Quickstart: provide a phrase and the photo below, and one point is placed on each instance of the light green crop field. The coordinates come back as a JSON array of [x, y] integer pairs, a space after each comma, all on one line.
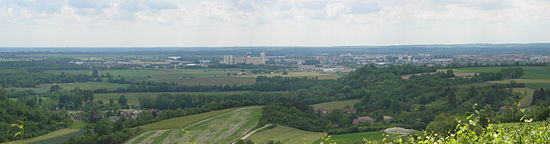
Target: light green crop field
[[358, 137], [181, 76], [526, 95], [531, 72], [336, 104], [74, 128], [297, 74], [133, 98], [181, 122], [221, 129], [533, 77], [69, 86], [286, 135]]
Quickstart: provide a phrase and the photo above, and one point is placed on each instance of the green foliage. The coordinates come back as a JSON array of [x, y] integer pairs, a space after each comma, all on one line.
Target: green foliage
[[122, 100], [443, 124], [472, 130], [293, 115], [19, 121]]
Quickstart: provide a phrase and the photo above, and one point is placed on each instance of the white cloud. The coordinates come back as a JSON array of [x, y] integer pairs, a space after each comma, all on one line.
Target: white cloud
[[276, 22]]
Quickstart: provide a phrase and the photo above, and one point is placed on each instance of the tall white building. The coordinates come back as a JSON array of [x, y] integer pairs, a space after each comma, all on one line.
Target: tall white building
[[230, 59]]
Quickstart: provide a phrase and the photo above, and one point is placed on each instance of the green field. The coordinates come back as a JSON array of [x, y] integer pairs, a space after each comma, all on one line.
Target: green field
[[81, 85], [533, 77], [298, 74], [531, 72], [133, 98], [55, 136], [336, 104], [526, 95], [180, 122], [181, 76], [286, 135], [357, 137], [222, 129]]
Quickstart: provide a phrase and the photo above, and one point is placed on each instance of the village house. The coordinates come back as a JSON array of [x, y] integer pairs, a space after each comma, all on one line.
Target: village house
[[362, 120]]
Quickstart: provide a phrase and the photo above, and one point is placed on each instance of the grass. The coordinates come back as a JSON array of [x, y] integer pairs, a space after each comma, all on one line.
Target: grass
[[224, 127], [336, 104], [298, 74], [182, 76], [74, 128], [180, 122], [357, 137], [214, 81], [69, 86], [533, 85], [286, 135], [531, 72], [159, 139], [141, 138], [526, 95], [133, 98], [530, 81]]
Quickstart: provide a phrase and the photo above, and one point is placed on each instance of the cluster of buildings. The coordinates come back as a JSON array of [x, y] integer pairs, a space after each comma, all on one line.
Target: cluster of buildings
[[230, 59]]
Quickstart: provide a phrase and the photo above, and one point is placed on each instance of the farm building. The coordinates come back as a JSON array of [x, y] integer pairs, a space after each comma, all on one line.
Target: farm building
[[362, 120]]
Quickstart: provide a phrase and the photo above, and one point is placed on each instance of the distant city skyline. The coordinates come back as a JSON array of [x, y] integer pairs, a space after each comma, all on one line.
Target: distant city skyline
[[223, 23]]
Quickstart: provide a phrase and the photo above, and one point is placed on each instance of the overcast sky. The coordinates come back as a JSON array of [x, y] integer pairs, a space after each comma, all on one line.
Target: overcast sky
[[149, 23]]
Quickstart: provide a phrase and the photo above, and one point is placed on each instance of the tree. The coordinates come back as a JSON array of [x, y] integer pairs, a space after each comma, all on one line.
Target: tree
[[95, 73], [111, 101], [443, 124], [55, 88], [103, 127], [122, 100], [451, 97]]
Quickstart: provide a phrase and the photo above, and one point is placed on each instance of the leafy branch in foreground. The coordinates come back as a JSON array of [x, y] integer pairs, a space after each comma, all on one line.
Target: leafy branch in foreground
[[471, 130]]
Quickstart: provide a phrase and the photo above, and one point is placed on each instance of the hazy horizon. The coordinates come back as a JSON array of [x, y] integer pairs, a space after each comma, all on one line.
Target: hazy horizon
[[256, 23]]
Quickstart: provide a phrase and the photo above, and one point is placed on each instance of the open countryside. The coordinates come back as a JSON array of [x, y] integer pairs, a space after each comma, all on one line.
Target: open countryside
[[274, 71]]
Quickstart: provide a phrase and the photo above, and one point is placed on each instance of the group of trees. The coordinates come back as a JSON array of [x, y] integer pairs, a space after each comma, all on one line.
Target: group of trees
[[19, 121], [279, 83], [32, 79]]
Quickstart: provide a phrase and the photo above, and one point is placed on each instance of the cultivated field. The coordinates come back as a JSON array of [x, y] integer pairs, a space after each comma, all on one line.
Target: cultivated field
[[220, 129], [133, 98], [181, 122], [525, 94], [357, 137], [336, 104], [298, 74], [533, 77], [286, 135], [69, 86], [181, 76], [55, 136]]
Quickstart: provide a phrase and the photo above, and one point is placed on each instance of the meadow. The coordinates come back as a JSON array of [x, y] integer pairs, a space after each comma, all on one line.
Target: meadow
[[533, 77], [286, 135], [180, 76], [181, 122], [55, 136], [358, 137], [70, 86], [525, 94], [336, 104], [223, 128], [133, 97], [321, 76]]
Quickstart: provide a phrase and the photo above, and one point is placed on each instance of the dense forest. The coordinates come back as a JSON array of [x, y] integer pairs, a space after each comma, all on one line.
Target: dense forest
[[19, 121]]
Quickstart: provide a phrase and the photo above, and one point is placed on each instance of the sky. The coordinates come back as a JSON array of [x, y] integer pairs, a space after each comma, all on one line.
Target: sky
[[213, 23]]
